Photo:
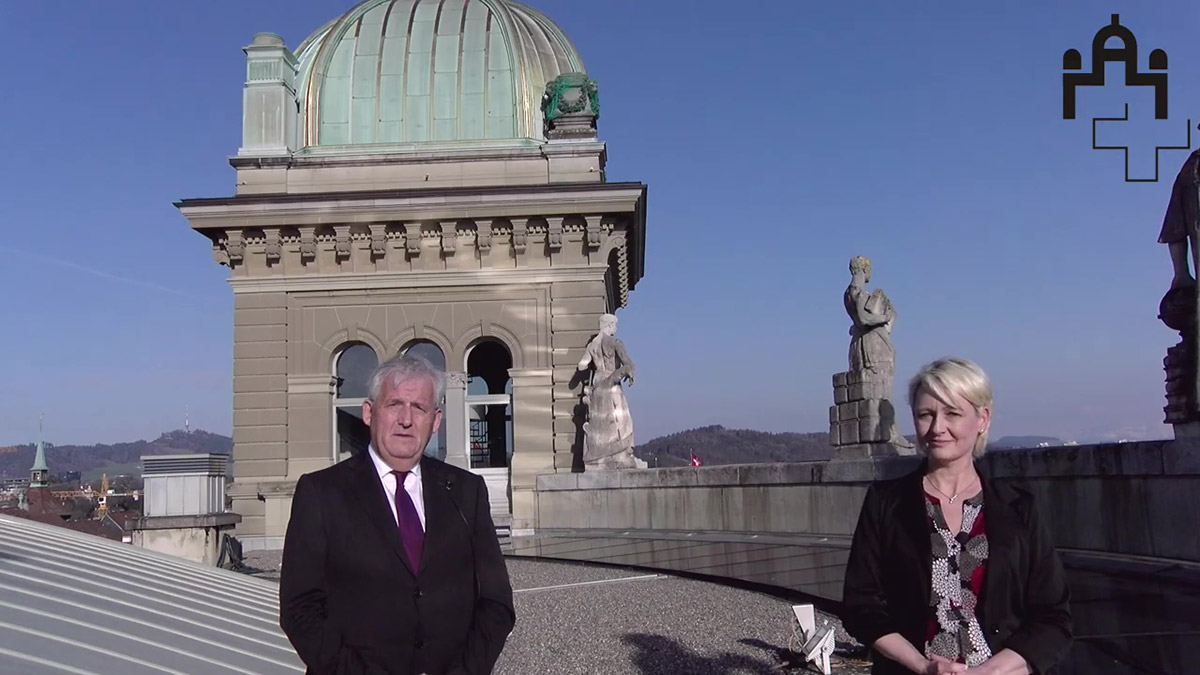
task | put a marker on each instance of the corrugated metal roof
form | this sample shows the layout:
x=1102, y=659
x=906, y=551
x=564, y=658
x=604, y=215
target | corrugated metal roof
x=75, y=603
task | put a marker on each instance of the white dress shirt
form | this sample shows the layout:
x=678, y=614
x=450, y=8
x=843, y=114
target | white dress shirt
x=412, y=485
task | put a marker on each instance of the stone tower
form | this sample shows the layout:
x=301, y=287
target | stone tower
x=417, y=175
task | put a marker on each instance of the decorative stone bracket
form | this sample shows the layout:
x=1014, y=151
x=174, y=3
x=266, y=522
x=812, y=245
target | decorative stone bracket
x=520, y=233
x=412, y=238
x=274, y=246
x=378, y=241
x=554, y=233
x=483, y=236
x=449, y=237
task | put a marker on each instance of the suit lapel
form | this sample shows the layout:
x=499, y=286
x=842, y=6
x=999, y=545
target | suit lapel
x=437, y=508
x=374, y=502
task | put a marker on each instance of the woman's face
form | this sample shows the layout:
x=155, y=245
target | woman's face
x=947, y=431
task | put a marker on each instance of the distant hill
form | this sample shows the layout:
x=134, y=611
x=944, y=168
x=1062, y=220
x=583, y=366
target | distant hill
x=718, y=445
x=1012, y=442
x=16, y=460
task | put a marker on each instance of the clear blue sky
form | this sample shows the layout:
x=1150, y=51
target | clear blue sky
x=778, y=140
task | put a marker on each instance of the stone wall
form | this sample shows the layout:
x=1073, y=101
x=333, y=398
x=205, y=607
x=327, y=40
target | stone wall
x=1118, y=499
x=197, y=544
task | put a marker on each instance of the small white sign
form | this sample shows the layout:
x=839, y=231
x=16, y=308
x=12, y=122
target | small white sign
x=818, y=642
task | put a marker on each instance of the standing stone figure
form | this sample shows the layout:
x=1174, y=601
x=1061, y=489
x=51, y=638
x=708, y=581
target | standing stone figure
x=1180, y=307
x=608, y=431
x=862, y=422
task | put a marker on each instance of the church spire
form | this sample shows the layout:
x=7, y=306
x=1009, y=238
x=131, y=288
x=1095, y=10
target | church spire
x=39, y=471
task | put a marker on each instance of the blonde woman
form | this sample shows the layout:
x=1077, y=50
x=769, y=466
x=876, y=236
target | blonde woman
x=950, y=572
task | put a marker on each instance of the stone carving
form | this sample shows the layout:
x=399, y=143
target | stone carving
x=378, y=241
x=341, y=244
x=571, y=106
x=520, y=233
x=862, y=421
x=412, y=239
x=608, y=431
x=554, y=233
x=308, y=246
x=593, y=232
x=1179, y=307
x=235, y=246
x=483, y=236
x=870, y=335
x=274, y=246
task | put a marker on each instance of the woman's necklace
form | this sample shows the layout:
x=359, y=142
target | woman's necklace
x=951, y=498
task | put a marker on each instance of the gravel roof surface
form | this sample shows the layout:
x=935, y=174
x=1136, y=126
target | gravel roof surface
x=574, y=618
x=581, y=619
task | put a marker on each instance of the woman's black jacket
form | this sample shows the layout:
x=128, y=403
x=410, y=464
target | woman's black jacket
x=1024, y=605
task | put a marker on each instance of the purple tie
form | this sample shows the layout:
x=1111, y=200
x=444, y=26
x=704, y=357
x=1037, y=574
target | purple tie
x=410, y=523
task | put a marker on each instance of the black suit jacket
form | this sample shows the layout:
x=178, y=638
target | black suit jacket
x=348, y=600
x=1024, y=605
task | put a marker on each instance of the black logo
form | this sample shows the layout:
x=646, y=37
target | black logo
x=1127, y=54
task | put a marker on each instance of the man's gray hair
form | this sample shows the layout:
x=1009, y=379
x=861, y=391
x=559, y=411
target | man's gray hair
x=406, y=367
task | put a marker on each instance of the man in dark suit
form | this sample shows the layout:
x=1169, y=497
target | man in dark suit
x=391, y=562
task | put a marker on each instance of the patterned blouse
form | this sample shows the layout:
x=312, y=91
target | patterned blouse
x=959, y=566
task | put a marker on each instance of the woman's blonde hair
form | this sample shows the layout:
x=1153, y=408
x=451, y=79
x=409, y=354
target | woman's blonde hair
x=948, y=377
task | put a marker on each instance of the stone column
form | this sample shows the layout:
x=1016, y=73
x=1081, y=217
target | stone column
x=533, y=441
x=454, y=417
x=310, y=423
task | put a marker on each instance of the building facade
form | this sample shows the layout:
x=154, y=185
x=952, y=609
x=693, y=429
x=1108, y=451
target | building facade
x=418, y=175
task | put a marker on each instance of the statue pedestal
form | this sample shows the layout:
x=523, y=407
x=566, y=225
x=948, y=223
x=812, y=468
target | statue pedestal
x=862, y=421
x=869, y=450
x=617, y=462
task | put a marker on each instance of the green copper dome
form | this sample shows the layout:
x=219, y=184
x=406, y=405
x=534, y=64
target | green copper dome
x=398, y=72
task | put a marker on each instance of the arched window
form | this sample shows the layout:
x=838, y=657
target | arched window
x=432, y=353
x=352, y=367
x=489, y=405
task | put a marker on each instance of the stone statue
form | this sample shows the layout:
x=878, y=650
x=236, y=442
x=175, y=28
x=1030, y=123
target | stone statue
x=1182, y=220
x=873, y=315
x=608, y=431
x=1180, y=306
x=863, y=418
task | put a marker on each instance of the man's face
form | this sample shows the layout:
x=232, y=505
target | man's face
x=402, y=420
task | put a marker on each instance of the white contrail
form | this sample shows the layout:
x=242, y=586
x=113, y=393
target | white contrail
x=100, y=273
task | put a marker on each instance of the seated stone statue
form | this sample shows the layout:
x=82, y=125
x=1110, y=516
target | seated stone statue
x=872, y=315
x=871, y=350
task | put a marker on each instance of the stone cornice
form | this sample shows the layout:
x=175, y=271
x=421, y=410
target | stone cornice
x=183, y=522
x=461, y=236
x=453, y=195
x=418, y=153
x=416, y=210
x=440, y=278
